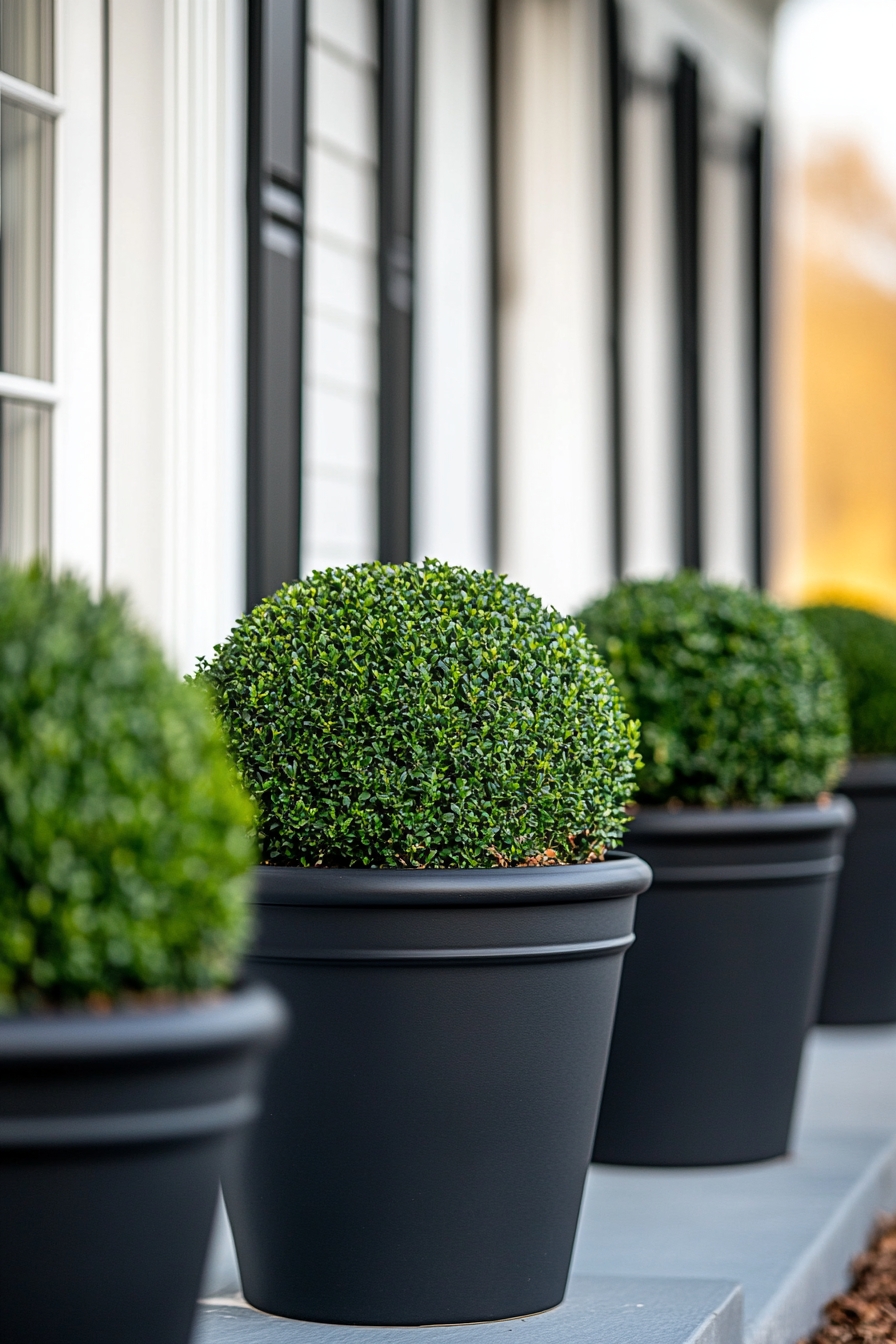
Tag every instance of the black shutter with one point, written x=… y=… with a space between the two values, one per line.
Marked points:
x=686 y=135
x=757 y=372
x=494 y=462
x=616 y=81
x=398 y=38
x=275 y=206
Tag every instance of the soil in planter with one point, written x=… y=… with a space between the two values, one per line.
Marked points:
x=866 y=1312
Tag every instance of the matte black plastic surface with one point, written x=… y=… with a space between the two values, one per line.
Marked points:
x=860 y=982
x=427 y=1126
x=112 y=1136
x=722 y=983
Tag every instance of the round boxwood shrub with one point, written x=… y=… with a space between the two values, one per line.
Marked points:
x=865 y=648
x=124 y=835
x=739 y=700
x=422 y=716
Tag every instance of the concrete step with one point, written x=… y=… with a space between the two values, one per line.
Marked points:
x=608 y=1310
x=786 y=1230
x=728 y=1255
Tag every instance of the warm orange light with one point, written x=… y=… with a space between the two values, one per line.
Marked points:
x=834 y=473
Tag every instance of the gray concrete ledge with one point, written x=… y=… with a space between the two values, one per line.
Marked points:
x=609 y=1310
x=659 y=1252
x=786 y=1230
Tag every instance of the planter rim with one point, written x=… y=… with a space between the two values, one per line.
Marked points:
x=788 y=818
x=620 y=875
x=871 y=773
x=250 y=1013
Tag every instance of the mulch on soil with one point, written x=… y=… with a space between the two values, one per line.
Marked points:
x=866 y=1312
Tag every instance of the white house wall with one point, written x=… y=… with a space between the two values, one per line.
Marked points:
x=134 y=524
x=452 y=338
x=651 y=478
x=77 y=477
x=727 y=488
x=203 y=441
x=166 y=520
x=554 y=514
x=451 y=428
x=175 y=492
x=339 y=442
x=731 y=46
x=729 y=40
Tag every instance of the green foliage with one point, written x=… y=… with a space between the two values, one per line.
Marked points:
x=739 y=701
x=865 y=647
x=422 y=716
x=124 y=837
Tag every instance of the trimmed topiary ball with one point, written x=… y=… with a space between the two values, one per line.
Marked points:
x=423 y=716
x=124 y=835
x=865 y=648
x=739 y=701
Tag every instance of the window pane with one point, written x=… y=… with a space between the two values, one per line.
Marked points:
x=26 y=41
x=24 y=481
x=26 y=241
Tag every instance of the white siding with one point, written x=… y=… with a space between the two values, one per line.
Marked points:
x=651 y=508
x=77 y=476
x=727 y=413
x=730 y=42
x=176 y=364
x=204 y=435
x=451 y=468
x=339 y=466
x=731 y=46
x=135 y=368
x=554 y=522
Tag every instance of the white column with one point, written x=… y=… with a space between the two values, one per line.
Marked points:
x=554 y=518
x=204 y=433
x=176 y=362
x=135 y=370
x=650 y=402
x=451 y=468
x=339 y=434
x=77 y=476
x=727 y=488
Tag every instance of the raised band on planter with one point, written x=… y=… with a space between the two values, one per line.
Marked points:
x=428 y=1124
x=860 y=981
x=113 y=1132
x=722 y=982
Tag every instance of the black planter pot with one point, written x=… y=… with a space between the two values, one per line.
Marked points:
x=112 y=1136
x=427 y=1126
x=860 y=981
x=722 y=983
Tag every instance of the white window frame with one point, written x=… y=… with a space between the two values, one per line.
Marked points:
x=15 y=387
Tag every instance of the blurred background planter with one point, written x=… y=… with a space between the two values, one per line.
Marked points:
x=744 y=725
x=113 y=1132
x=428 y=1124
x=860 y=981
x=722 y=983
